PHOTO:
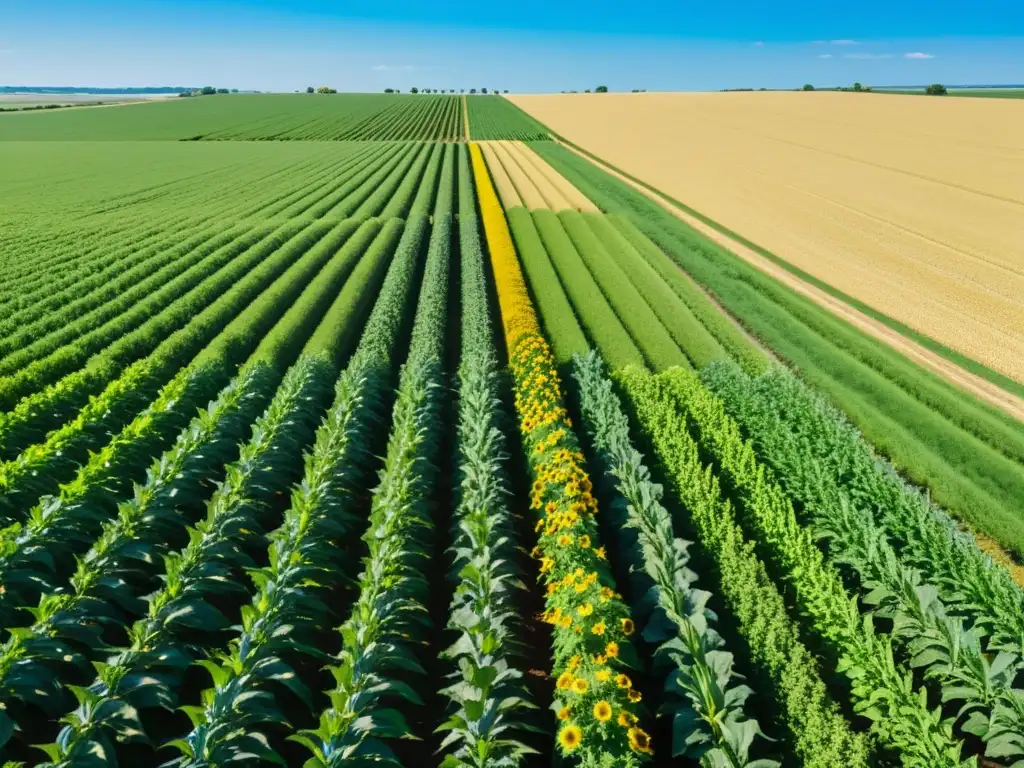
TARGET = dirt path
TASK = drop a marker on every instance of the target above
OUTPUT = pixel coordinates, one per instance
(465, 116)
(923, 356)
(540, 167)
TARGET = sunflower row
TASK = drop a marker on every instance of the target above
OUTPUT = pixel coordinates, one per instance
(595, 700)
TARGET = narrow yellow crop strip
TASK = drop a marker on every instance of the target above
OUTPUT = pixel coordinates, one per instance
(596, 704)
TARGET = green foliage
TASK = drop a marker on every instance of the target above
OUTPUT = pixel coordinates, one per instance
(819, 735)
(703, 693)
(560, 323)
(487, 693)
(686, 330)
(937, 89)
(650, 336)
(588, 303)
(823, 464)
(146, 672)
(900, 716)
(501, 119)
(389, 618)
(348, 117)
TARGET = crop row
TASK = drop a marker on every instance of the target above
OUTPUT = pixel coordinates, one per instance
(243, 117)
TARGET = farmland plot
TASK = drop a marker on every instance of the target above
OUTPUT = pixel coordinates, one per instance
(328, 453)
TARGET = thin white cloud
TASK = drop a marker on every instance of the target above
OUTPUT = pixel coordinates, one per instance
(759, 43)
(918, 55)
(393, 68)
(844, 42)
(826, 56)
(867, 56)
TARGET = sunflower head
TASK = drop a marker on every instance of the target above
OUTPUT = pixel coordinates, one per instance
(611, 650)
(579, 685)
(627, 719)
(628, 627)
(570, 737)
(564, 681)
(634, 695)
(623, 681)
(602, 711)
(563, 713)
(640, 741)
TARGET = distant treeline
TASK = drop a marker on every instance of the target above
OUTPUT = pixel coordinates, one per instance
(47, 89)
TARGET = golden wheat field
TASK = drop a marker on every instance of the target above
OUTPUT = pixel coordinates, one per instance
(914, 205)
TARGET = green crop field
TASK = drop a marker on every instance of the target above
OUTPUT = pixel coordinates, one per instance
(314, 452)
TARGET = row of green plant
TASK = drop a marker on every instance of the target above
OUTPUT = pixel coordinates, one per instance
(922, 573)
(704, 695)
(366, 193)
(650, 336)
(689, 334)
(882, 689)
(38, 469)
(119, 340)
(498, 118)
(377, 670)
(966, 452)
(157, 346)
(96, 293)
(560, 323)
(328, 191)
(305, 560)
(146, 670)
(819, 734)
(120, 566)
(486, 722)
(595, 314)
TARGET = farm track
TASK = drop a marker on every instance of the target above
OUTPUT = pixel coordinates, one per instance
(976, 385)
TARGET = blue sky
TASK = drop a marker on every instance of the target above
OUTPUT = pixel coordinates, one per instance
(526, 46)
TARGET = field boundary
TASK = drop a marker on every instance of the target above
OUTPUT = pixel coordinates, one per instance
(981, 387)
(1000, 380)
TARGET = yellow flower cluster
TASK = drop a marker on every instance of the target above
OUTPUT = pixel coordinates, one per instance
(517, 313)
(596, 700)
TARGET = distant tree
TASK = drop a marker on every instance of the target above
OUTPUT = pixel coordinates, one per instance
(208, 90)
(505, 91)
(587, 90)
(234, 90)
(858, 87)
(472, 90)
(310, 89)
(936, 89)
(808, 87)
(389, 90)
(601, 89)
(462, 90)
(223, 90)
(483, 90)
(414, 90)
(325, 89)
(762, 89)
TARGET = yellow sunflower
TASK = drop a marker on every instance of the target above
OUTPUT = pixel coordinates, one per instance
(640, 741)
(602, 711)
(580, 686)
(571, 737)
